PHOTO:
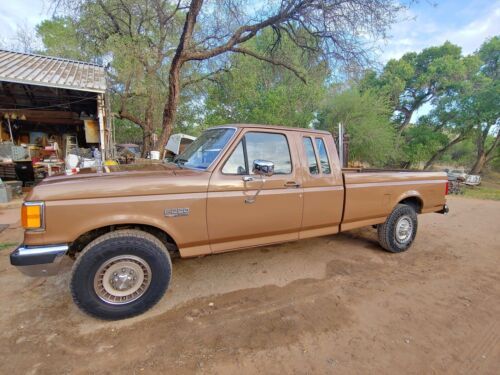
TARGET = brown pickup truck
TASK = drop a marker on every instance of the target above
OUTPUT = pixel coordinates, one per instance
(235, 187)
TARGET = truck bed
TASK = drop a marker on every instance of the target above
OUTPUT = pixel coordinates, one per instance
(371, 194)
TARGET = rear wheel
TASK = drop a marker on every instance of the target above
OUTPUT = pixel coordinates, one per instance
(121, 274)
(399, 230)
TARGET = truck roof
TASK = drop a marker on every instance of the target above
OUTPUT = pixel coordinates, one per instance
(277, 127)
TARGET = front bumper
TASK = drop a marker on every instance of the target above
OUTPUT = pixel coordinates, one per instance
(39, 260)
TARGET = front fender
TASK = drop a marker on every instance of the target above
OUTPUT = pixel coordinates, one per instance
(69, 219)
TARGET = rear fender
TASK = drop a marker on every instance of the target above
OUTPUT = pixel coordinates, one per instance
(406, 195)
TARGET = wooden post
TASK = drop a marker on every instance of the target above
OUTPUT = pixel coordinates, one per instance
(345, 149)
(341, 144)
(10, 129)
(100, 115)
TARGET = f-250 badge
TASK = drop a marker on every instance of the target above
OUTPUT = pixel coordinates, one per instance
(174, 212)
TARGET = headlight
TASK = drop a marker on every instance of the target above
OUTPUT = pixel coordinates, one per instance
(32, 215)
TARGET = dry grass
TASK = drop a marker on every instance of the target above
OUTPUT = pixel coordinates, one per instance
(6, 245)
(483, 192)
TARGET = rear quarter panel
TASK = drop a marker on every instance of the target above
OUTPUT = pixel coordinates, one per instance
(371, 196)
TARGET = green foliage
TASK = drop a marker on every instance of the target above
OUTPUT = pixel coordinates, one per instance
(461, 154)
(258, 92)
(463, 91)
(60, 38)
(366, 118)
(490, 55)
(419, 78)
(127, 132)
(128, 42)
(421, 142)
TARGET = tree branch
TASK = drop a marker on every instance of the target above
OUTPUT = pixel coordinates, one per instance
(492, 158)
(204, 77)
(255, 55)
(247, 32)
(494, 145)
(122, 114)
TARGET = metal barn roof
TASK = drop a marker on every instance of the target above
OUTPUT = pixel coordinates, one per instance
(50, 71)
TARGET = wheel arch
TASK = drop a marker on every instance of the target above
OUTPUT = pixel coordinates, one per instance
(85, 238)
(413, 199)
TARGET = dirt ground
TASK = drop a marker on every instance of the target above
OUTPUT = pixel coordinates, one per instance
(336, 304)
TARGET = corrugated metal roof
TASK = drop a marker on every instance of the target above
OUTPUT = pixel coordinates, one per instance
(50, 71)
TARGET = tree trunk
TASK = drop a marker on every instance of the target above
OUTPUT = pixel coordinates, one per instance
(174, 75)
(405, 124)
(434, 157)
(406, 121)
(479, 164)
(148, 130)
(146, 142)
(483, 155)
(441, 151)
(170, 111)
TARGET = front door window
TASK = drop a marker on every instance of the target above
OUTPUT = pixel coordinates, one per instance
(264, 146)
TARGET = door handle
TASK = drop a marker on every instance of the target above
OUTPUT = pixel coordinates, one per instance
(292, 184)
(247, 178)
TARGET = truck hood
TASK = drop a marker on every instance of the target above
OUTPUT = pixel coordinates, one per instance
(122, 181)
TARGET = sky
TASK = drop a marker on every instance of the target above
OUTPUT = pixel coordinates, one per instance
(432, 22)
(427, 23)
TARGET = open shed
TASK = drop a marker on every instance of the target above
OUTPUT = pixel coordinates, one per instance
(49, 108)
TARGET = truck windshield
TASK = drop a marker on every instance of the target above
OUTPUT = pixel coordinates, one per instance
(203, 151)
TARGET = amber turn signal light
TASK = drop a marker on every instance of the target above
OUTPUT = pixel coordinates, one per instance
(32, 215)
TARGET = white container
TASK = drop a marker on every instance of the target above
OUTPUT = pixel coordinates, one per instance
(89, 163)
(155, 155)
(72, 161)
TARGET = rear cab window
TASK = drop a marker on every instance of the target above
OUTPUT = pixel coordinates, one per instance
(312, 161)
(323, 156)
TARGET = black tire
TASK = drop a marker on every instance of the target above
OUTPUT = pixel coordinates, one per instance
(402, 215)
(118, 247)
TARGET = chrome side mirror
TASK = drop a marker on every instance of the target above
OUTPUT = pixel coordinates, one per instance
(263, 168)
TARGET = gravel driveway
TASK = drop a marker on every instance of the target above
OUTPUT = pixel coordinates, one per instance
(337, 304)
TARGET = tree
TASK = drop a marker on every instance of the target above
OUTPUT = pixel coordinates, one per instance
(464, 109)
(418, 78)
(484, 105)
(485, 109)
(132, 37)
(209, 32)
(258, 92)
(59, 36)
(450, 120)
(423, 143)
(490, 55)
(366, 118)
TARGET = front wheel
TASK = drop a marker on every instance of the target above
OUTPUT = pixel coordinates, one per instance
(121, 274)
(399, 230)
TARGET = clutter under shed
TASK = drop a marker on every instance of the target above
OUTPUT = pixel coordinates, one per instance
(52, 116)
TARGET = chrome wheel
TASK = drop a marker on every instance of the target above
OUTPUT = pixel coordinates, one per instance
(122, 279)
(404, 229)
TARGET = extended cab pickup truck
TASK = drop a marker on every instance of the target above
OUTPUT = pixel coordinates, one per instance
(235, 187)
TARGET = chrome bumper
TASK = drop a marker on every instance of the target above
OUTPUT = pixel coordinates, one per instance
(444, 210)
(39, 260)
